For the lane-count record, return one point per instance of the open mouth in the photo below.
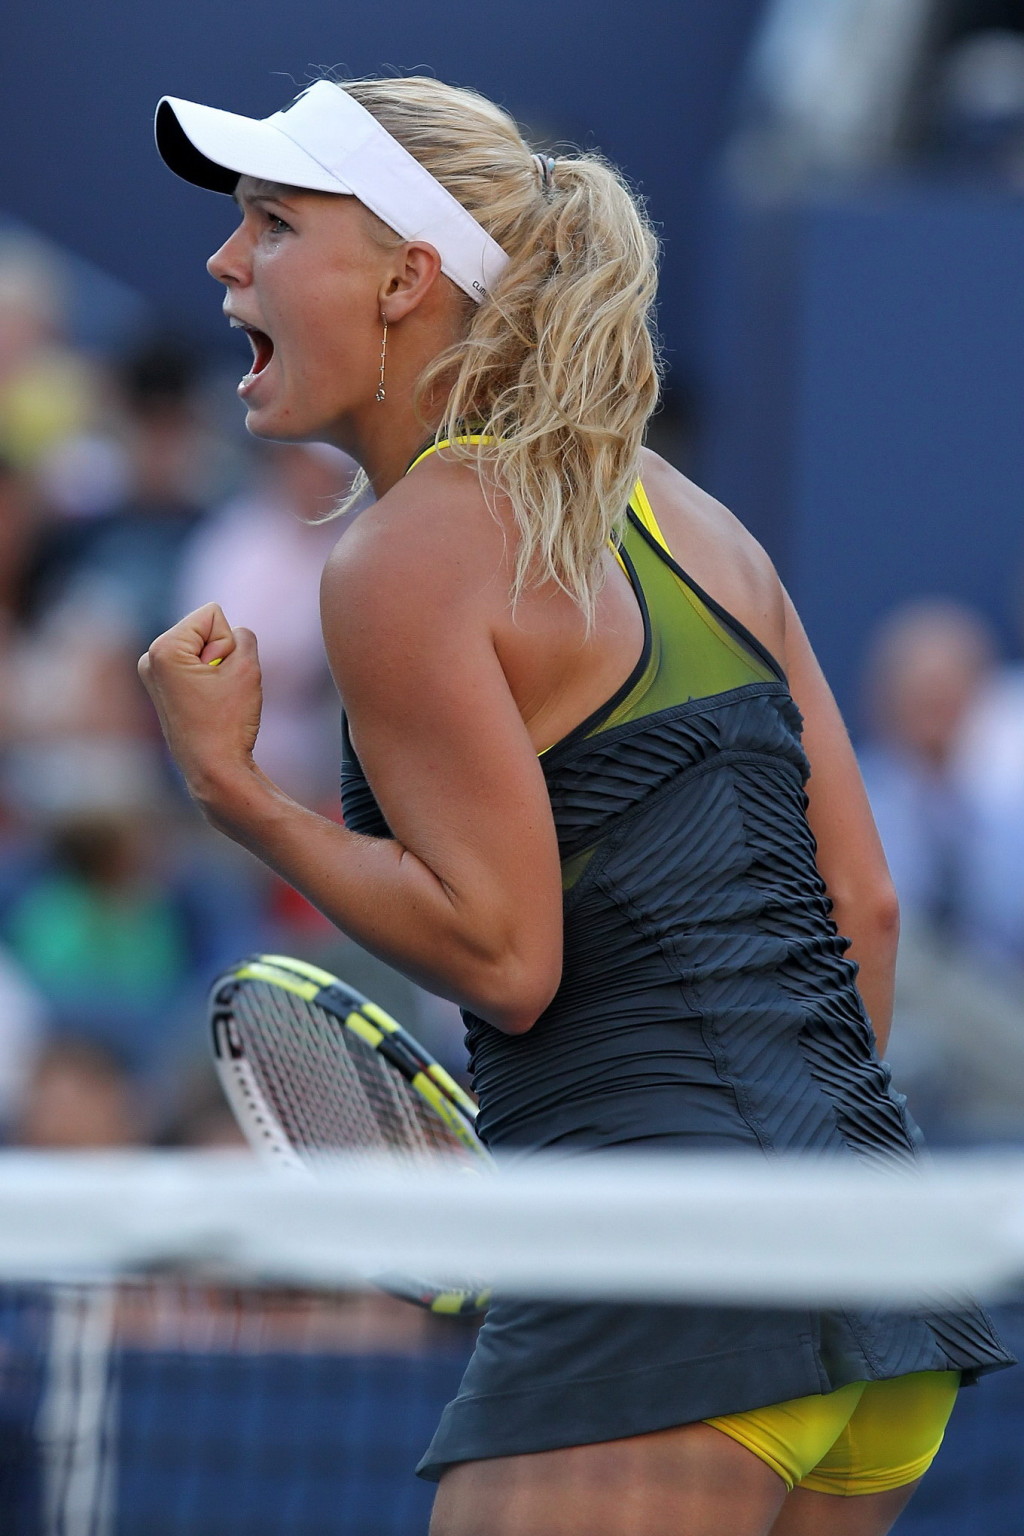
(262, 347)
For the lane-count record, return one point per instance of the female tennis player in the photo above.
(578, 796)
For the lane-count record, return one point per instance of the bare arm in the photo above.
(850, 855)
(467, 898)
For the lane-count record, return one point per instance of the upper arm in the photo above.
(850, 855)
(409, 613)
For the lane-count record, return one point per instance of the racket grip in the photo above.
(443, 1300)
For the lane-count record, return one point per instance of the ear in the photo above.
(412, 277)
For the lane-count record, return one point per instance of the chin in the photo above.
(267, 433)
(280, 421)
(276, 434)
(262, 424)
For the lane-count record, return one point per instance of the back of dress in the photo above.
(706, 1003)
(706, 999)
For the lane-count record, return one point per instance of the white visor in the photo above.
(324, 141)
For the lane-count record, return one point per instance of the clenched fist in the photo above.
(204, 679)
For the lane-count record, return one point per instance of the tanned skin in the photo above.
(450, 696)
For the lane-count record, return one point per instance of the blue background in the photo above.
(650, 83)
(855, 359)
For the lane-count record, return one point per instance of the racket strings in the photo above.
(328, 1087)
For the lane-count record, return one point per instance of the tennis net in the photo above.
(189, 1345)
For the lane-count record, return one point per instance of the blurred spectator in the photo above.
(18, 523)
(260, 558)
(46, 388)
(927, 665)
(957, 1046)
(846, 88)
(829, 89)
(979, 108)
(80, 1095)
(84, 475)
(74, 724)
(121, 563)
(201, 1115)
(121, 927)
(80, 599)
(991, 776)
(23, 1020)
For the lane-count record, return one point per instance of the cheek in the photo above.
(324, 324)
(336, 340)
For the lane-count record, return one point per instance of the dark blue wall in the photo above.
(868, 364)
(649, 82)
(862, 355)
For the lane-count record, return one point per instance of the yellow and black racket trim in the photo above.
(376, 1029)
(383, 1034)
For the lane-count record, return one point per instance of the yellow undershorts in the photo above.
(869, 1437)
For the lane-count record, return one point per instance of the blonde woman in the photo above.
(574, 793)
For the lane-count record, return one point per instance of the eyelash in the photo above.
(277, 225)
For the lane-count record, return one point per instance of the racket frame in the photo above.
(383, 1034)
(375, 1028)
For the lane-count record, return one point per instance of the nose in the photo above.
(230, 264)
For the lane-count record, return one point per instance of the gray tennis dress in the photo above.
(706, 1003)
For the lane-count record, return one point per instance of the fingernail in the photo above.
(215, 662)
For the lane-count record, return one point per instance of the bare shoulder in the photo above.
(721, 555)
(431, 548)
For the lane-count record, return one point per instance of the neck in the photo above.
(387, 438)
(383, 436)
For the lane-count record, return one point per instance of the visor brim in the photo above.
(212, 148)
(325, 141)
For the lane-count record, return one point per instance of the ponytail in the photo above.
(558, 366)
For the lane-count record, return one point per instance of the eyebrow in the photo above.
(267, 192)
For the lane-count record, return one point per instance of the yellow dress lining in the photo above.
(671, 586)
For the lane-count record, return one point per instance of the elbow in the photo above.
(515, 1020)
(873, 912)
(514, 997)
(510, 968)
(887, 913)
(881, 912)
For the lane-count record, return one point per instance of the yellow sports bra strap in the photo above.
(471, 437)
(645, 512)
(641, 506)
(638, 501)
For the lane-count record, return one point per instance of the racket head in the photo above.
(311, 1068)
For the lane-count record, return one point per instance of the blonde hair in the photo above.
(558, 366)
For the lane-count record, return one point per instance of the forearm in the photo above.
(467, 898)
(390, 901)
(873, 939)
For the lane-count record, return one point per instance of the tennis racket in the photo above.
(310, 1068)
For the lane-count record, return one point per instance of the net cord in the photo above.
(731, 1228)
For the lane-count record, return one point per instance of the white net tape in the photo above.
(729, 1228)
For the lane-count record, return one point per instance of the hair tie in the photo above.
(546, 166)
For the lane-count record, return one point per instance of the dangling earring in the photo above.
(383, 354)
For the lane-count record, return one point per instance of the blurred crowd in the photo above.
(943, 761)
(125, 501)
(853, 87)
